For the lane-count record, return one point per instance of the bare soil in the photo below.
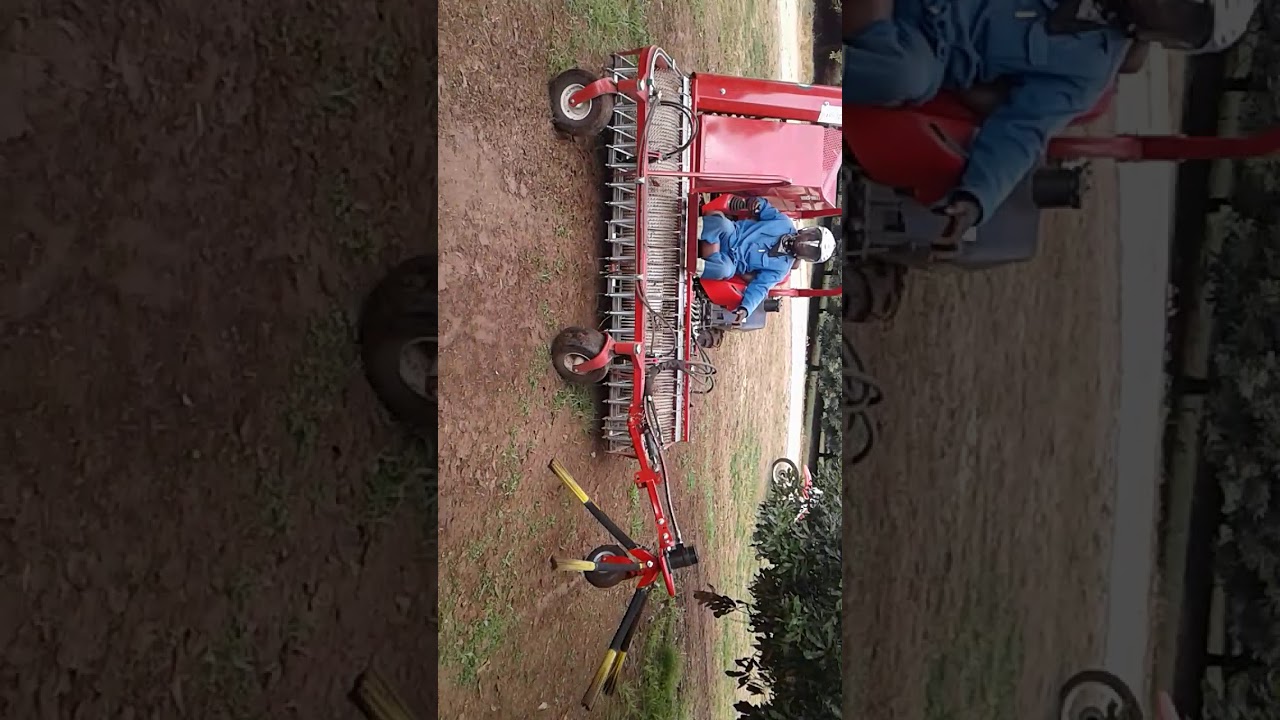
(977, 531)
(203, 513)
(519, 259)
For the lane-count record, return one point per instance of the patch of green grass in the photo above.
(345, 83)
(546, 268)
(318, 375)
(548, 316)
(352, 220)
(273, 497)
(975, 671)
(652, 693)
(468, 646)
(399, 474)
(578, 401)
(529, 391)
(230, 666)
(511, 465)
(634, 511)
(599, 28)
(710, 517)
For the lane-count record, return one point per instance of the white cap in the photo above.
(827, 245)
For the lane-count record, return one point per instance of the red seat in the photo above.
(947, 104)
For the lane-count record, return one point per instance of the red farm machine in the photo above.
(676, 145)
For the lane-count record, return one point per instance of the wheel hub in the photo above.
(1093, 702)
(571, 361)
(570, 110)
(419, 366)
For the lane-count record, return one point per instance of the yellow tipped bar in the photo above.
(376, 700)
(572, 565)
(568, 481)
(597, 683)
(611, 684)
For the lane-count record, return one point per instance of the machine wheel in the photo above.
(584, 120)
(1097, 695)
(573, 347)
(600, 578)
(398, 341)
(784, 473)
(1057, 187)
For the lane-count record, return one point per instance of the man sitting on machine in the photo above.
(766, 245)
(1033, 66)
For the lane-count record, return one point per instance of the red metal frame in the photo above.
(711, 95)
(769, 106)
(647, 560)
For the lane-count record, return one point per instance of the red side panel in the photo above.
(806, 155)
(908, 150)
(948, 105)
(729, 95)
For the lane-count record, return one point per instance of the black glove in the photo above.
(739, 316)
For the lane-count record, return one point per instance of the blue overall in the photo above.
(930, 45)
(744, 248)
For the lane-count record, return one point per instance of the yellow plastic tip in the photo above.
(573, 565)
(611, 683)
(568, 481)
(598, 681)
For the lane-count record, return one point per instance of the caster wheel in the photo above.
(785, 474)
(398, 344)
(589, 118)
(1097, 695)
(601, 578)
(572, 348)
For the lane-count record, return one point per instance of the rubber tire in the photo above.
(598, 115)
(785, 462)
(600, 579)
(403, 307)
(578, 341)
(1130, 710)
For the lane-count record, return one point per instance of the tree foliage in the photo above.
(1241, 438)
(794, 612)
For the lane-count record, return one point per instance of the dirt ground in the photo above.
(977, 530)
(516, 640)
(203, 514)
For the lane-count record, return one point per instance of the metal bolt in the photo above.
(649, 564)
(721, 91)
(662, 521)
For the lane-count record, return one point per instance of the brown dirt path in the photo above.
(202, 512)
(977, 537)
